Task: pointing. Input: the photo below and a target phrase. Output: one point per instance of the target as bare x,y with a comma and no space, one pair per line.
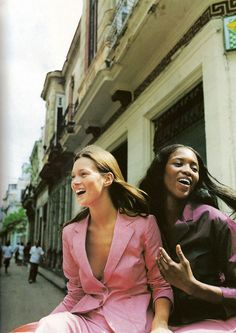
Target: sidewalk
53,278
22,302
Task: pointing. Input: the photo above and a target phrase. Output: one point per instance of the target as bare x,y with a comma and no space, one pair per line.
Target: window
60,102
122,14
12,186
183,123
59,124
92,42
123,10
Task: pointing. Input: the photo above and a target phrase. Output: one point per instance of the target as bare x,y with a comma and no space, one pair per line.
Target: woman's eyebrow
176,158
78,171
182,159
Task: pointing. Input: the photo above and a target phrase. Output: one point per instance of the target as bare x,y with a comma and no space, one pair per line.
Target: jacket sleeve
225,247
71,272
152,242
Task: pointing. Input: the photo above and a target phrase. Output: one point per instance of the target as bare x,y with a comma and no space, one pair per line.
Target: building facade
138,75
11,203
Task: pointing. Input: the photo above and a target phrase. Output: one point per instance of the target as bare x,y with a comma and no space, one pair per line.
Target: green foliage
28,170
16,221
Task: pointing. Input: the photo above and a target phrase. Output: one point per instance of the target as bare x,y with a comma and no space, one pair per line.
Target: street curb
56,280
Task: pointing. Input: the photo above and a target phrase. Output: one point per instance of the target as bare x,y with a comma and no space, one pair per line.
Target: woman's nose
76,180
186,169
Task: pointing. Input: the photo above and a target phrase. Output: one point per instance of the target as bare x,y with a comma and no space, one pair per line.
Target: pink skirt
66,322
208,326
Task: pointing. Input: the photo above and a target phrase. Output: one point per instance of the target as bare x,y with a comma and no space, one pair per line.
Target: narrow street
22,302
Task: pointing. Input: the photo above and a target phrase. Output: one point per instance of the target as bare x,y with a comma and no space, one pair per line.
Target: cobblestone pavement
21,302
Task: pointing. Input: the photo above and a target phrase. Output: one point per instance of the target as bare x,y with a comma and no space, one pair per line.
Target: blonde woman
109,256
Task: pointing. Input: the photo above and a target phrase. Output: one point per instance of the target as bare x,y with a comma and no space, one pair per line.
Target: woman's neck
103,214
173,210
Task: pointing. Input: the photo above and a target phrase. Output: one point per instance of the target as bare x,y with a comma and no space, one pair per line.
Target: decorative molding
223,8
123,96
70,127
94,130
227,7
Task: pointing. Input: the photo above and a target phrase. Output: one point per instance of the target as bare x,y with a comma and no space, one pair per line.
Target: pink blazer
129,275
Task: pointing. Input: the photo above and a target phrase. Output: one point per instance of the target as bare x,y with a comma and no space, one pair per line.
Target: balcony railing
69,117
66,121
121,15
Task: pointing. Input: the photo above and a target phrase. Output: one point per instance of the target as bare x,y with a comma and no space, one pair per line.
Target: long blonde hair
125,197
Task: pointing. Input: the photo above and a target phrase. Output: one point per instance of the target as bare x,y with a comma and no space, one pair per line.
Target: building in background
14,226
138,75
30,194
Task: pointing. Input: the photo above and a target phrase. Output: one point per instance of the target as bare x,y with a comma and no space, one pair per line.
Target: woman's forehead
84,162
184,153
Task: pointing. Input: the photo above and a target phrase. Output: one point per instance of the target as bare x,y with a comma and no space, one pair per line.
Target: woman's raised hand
179,274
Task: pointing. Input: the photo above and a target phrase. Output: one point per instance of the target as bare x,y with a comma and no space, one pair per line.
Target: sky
35,36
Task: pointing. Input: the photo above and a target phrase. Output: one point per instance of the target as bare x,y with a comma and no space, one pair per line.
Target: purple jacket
208,240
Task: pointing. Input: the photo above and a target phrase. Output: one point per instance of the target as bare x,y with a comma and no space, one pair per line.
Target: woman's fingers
180,254
162,267
164,255
163,261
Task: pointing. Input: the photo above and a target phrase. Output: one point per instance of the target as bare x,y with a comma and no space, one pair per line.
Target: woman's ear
109,177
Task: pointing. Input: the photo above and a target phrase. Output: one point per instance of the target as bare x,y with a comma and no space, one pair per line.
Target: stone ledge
56,280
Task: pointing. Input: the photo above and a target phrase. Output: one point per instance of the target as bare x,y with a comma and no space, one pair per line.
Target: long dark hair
126,198
207,190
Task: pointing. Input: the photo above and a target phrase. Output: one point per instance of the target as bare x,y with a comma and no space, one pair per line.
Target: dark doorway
183,123
121,155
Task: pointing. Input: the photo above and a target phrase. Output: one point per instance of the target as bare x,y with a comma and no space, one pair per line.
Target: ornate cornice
227,7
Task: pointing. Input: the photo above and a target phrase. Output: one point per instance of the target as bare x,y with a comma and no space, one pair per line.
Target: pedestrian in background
36,252
7,254
27,253
20,254
0,257
16,252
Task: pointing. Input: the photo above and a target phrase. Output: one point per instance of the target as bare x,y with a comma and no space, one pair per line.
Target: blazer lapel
122,234
181,226
79,244
79,240
121,237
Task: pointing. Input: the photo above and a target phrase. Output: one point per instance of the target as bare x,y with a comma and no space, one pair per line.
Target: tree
16,221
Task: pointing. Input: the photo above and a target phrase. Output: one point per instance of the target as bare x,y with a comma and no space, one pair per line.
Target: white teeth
185,181
80,191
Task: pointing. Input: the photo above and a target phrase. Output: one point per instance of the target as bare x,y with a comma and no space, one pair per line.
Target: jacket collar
121,237
181,226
